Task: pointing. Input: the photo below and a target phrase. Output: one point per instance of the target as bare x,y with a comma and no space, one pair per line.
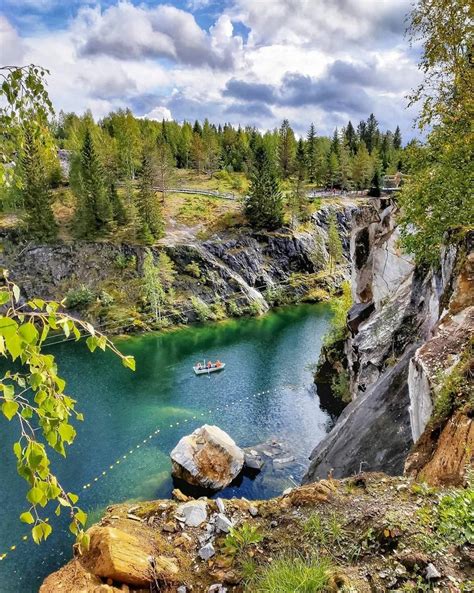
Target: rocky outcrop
208,458
173,556
232,271
401,336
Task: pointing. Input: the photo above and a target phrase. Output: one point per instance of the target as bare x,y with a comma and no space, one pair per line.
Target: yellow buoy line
142,442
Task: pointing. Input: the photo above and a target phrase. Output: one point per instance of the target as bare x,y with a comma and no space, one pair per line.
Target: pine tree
311,154
351,138
264,203
335,143
332,168
35,192
374,191
94,211
372,133
148,207
118,209
397,139
286,149
344,171
300,161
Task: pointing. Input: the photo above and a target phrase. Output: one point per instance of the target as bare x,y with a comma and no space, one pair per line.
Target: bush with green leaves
32,393
79,298
193,269
240,538
340,307
455,515
202,309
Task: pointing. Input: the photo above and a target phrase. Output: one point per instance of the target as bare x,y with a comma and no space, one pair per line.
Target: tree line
140,155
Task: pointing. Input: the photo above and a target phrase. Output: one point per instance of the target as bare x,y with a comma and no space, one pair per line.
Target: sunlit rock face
208,458
407,334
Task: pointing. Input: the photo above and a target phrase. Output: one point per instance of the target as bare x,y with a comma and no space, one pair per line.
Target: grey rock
281,462
220,505
207,552
223,523
217,588
432,573
253,511
193,513
253,461
181,589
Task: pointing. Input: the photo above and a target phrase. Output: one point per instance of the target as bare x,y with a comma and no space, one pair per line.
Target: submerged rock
208,458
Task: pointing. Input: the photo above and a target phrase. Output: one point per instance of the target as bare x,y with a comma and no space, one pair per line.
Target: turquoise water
276,352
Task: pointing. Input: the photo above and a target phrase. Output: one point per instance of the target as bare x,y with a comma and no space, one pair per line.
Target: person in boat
198,366
218,364
209,364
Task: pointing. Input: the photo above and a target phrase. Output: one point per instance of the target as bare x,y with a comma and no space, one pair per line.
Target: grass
292,575
239,539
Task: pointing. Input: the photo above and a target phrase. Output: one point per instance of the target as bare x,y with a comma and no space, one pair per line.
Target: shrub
288,575
78,298
105,298
193,269
239,539
218,310
122,262
456,516
233,309
341,386
340,307
202,310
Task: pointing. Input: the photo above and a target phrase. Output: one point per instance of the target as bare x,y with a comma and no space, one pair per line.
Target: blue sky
243,61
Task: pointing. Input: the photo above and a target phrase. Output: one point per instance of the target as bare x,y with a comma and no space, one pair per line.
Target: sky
248,62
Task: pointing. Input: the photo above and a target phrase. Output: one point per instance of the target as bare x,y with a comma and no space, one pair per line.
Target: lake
265,392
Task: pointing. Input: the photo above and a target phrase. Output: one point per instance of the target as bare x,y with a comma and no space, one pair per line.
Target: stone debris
253,511
223,523
432,573
181,589
220,505
217,588
193,513
179,496
253,460
207,551
281,462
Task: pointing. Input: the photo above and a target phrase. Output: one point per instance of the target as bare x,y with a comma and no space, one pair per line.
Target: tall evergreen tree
286,149
311,150
351,138
264,203
148,207
372,133
35,192
94,211
334,243
118,209
397,139
300,161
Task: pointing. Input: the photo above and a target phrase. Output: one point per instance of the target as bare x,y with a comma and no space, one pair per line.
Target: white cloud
159,113
307,60
13,47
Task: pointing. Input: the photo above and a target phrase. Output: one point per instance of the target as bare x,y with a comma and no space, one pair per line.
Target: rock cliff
408,327
239,273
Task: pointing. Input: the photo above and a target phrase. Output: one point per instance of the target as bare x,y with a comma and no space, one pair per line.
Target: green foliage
202,309
79,298
152,227
94,208
340,307
36,196
33,395
241,538
24,105
436,200
291,575
455,516
123,262
341,386
264,204
193,269
454,390
157,282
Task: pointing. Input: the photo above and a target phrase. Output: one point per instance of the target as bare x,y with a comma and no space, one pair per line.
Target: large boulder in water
208,458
